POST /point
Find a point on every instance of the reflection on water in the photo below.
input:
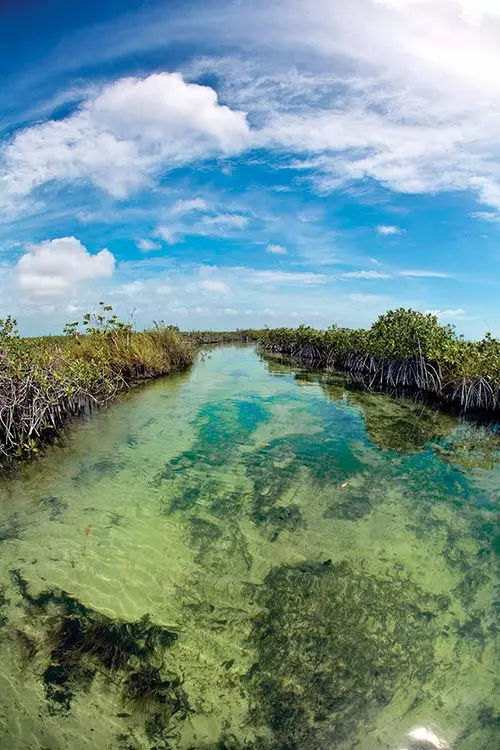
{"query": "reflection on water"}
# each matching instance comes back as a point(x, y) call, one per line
point(251, 557)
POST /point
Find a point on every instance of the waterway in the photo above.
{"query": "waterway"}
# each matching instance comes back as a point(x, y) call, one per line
point(250, 556)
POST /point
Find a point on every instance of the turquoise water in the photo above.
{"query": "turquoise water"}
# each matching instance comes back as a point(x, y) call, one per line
point(249, 556)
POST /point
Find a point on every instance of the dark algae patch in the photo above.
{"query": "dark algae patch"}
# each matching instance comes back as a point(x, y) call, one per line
point(55, 506)
point(335, 645)
point(80, 645)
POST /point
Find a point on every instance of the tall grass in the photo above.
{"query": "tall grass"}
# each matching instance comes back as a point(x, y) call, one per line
point(46, 382)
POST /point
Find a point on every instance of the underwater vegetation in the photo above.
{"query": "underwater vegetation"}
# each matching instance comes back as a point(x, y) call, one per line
point(76, 645)
point(275, 472)
point(335, 644)
point(11, 528)
point(221, 428)
point(55, 505)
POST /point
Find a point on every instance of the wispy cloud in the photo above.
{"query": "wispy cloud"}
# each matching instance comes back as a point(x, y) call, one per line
point(388, 229)
point(214, 287)
point(451, 314)
point(490, 216)
point(230, 221)
point(366, 275)
point(167, 235)
point(185, 206)
point(277, 249)
point(147, 246)
point(425, 274)
point(285, 277)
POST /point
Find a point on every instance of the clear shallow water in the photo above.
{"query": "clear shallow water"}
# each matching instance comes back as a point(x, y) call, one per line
point(317, 569)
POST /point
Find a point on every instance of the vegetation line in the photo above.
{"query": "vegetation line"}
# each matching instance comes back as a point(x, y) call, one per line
point(405, 352)
point(45, 382)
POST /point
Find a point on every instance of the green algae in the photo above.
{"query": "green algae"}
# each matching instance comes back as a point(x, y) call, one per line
point(80, 644)
point(335, 645)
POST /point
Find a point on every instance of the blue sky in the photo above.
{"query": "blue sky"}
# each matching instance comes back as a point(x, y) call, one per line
point(238, 163)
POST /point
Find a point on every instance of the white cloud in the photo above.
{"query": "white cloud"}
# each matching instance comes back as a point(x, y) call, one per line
point(119, 139)
point(167, 235)
point(491, 216)
point(135, 287)
point(214, 287)
point(230, 221)
point(366, 275)
point(425, 274)
point(147, 246)
point(55, 267)
point(401, 92)
point(164, 290)
point(277, 249)
point(285, 277)
point(388, 230)
point(447, 314)
point(185, 206)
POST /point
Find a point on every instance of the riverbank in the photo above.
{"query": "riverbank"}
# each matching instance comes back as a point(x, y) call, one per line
point(47, 382)
point(404, 353)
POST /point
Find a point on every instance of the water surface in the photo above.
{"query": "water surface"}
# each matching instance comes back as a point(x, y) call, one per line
point(252, 557)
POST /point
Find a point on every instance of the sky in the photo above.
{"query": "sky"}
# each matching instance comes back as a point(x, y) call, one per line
point(241, 163)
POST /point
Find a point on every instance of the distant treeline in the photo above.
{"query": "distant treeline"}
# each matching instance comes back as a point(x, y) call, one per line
point(241, 335)
point(404, 351)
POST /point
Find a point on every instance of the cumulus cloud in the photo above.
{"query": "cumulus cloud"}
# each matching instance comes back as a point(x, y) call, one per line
point(388, 230)
point(214, 287)
point(119, 139)
point(277, 249)
point(55, 267)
